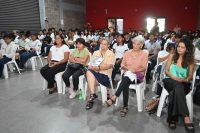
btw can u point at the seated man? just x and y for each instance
(7, 51)
(32, 49)
(153, 47)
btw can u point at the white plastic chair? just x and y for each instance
(34, 61)
(155, 77)
(59, 82)
(5, 70)
(81, 86)
(189, 99)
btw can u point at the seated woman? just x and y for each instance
(119, 49)
(179, 71)
(134, 61)
(7, 51)
(78, 59)
(32, 49)
(99, 73)
(57, 61)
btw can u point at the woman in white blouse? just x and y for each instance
(57, 61)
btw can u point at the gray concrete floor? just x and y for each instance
(25, 108)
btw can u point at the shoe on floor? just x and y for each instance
(72, 95)
(70, 90)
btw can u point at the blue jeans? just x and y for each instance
(24, 57)
(3, 61)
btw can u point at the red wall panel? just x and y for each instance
(134, 12)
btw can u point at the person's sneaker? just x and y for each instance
(70, 90)
(72, 95)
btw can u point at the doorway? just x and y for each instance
(117, 24)
(150, 21)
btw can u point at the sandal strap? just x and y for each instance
(108, 104)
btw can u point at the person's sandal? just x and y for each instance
(89, 105)
(90, 102)
(172, 125)
(123, 111)
(110, 102)
(189, 127)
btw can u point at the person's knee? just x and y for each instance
(63, 76)
(1, 63)
(125, 79)
(88, 74)
(42, 70)
(75, 77)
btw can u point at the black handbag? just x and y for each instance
(75, 66)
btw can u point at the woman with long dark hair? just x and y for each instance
(57, 61)
(179, 72)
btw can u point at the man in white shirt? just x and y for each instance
(33, 49)
(7, 51)
(153, 47)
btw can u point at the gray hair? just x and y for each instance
(104, 39)
(139, 39)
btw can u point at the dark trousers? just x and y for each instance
(24, 57)
(151, 67)
(3, 61)
(75, 77)
(177, 98)
(49, 73)
(124, 86)
(47, 46)
(115, 69)
(198, 71)
(159, 88)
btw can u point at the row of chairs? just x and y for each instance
(11, 64)
(82, 86)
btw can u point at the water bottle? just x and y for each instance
(80, 95)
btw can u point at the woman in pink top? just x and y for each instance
(134, 61)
